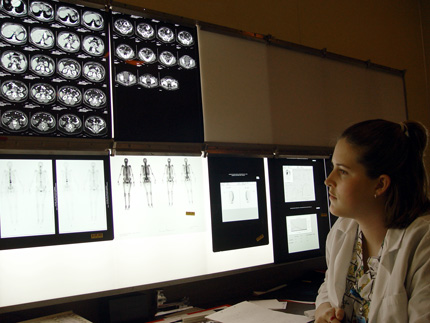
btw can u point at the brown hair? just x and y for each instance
(396, 150)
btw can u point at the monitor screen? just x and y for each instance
(49, 200)
(299, 203)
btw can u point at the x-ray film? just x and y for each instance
(156, 80)
(239, 201)
(49, 200)
(30, 181)
(299, 205)
(54, 70)
(302, 232)
(299, 183)
(81, 196)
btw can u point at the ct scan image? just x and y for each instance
(54, 70)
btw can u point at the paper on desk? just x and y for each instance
(65, 317)
(246, 312)
(271, 304)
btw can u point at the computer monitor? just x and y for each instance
(50, 200)
(299, 204)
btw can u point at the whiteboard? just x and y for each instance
(254, 92)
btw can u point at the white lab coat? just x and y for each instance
(402, 286)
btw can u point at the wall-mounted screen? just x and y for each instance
(156, 80)
(54, 70)
(300, 218)
(238, 202)
(49, 200)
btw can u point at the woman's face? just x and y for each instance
(351, 191)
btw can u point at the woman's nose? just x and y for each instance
(328, 181)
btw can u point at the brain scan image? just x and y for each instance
(187, 62)
(95, 125)
(14, 91)
(43, 93)
(42, 65)
(68, 41)
(69, 68)
(43, 122)
(125, 52)
(42, 11)
(14, 120)
(126, 78)
(123, 27)
(148, 81)
(70, 124)
(42, 38)
(145, 31)
(68, 16)
(147, 55)
(94, 71)
(14, 61)
(69, 96)
(93, 20)
(14, 34)
(95, 98)
(16, 8)
(185, 38)
(167, 58)
(166, 35)
(169, 83)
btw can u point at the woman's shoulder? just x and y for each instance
(421, 223)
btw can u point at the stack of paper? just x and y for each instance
(247, 312)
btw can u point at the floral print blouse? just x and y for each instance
(359, 283)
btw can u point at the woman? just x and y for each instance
(378, 251)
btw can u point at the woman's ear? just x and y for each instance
(384, 182)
